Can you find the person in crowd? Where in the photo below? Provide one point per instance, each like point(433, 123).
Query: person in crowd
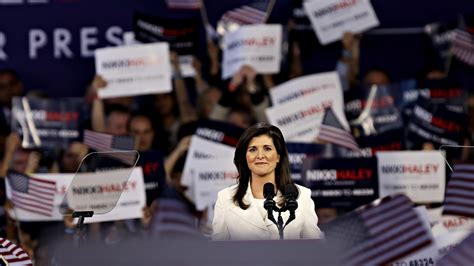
point(261, 157)
point(173, 214)
point(244, 92)
point(150, 160)
point(70, 159)
point(10, 86)
point(107, 118)
point(206, 101)
point(348, 66)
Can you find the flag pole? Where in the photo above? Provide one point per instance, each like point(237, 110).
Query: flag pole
point(205, 20)
point(270, 6)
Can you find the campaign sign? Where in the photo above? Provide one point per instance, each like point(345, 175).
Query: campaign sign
point(211, 176)
point(392, 140)
point(341, 182)
point(185, 62)
point(322, 83)
point(219, 132)
point(201, 150)
point(331, 18)
point(450, 231)
point(258, 46)
point(298, 152)
point(418, 174)
point(47, 123)
point(432, 122)
point(373, 110)
point(134, 70)
point(128, 206)
point(300, 118)
point(181, 34)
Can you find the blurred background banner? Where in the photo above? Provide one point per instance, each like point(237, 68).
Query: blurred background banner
point(63, 35)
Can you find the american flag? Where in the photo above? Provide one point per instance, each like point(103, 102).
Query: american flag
point(332, 131)
point(13, 254)
point(461, 254)
point(459, 199)
point(462, 45)
point(377, 234)
point(118, 147)
point(253, 13)
point(183, 4)
point(32, 194)
point(173, 219)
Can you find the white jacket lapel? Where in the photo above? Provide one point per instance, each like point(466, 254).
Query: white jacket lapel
point(251, 214)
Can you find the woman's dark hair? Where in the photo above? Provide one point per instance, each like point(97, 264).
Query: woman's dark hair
point(282, 170)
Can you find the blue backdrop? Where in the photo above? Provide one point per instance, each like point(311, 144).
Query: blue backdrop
point(51, 42)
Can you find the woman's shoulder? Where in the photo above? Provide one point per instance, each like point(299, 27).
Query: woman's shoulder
point(227, 192)
point(304, 191)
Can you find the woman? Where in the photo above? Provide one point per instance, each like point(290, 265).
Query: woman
point(261, 157)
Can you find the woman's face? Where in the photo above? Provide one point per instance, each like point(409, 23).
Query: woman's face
point(262, 157)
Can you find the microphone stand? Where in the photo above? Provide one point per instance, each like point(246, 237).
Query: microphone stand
point(80, 236)
point(280, 225)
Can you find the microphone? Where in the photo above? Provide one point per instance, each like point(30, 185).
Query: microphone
point(269, 203)
point(291, 194)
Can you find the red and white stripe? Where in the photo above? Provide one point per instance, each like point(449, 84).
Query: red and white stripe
point(39, 198)
point(102, 142)
point(394, 229)
point(463, 46)
point(13, 254)
point(245, 15)
point(459, 199)
point(183, 4)
point(337, 136)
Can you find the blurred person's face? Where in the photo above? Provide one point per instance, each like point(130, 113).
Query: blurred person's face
point(238, 119)
point(164, 103)
point(9, 87)
point(141, 128)
point(116, 123)
point(436, 74)
point(20, 160)
point(210, 101)
point(376, 77)
point(72, 157)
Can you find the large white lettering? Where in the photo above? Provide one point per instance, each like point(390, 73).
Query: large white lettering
point(114, 35)
point(62, 42)
point(87, 40)
point(3, 42)
point(62, 38)
point(37, 39)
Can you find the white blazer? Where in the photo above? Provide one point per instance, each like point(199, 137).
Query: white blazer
point(233, 223)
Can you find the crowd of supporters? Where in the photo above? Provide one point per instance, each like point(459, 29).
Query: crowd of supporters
point(162, 125)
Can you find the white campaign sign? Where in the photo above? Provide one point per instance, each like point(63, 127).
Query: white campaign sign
point(129, 205)
point(306, 86)
point(185, 61)
point(210, 176)
point(202, 150)
point(450, 230)
point(418, 174)
point(453, 223)
point(134, 70)
point(256, 45)
point(299, 119)
point(331, 18)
